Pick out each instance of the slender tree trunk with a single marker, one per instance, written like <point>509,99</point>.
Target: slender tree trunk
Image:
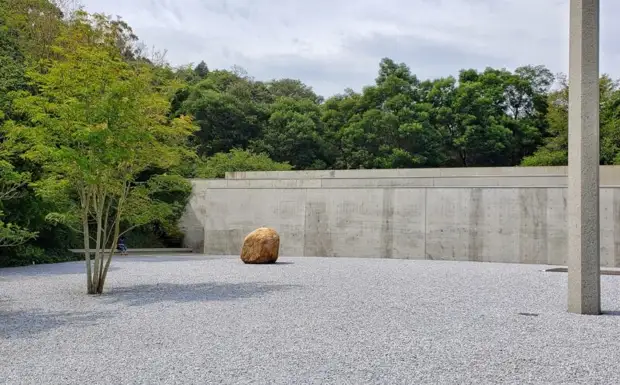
<point>89,276</point>
<point>101,234</point>
<point>115,234</point>
<point>90,288</point>
<point>106,231</point>
<point>98,251</point>
<point>107,264</point>
<point>96,270</point>
<point>463,156</point>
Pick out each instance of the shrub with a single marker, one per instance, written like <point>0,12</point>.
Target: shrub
<point>217,165</point>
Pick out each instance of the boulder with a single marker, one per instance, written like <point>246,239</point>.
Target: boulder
<point>261,246</point>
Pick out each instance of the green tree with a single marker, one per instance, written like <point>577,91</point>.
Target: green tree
<point>390,126</point>
<point>480,137</point>
<point>201,70</point>
<point>294,133</point>
<point>554,152</point>
<point>12,61</point>
<point>292,88</point>
<point>336,113</point>
<point>230,111</point>
<point>11,183</point>
<point>20,44</point>
<point>526,93</point>
<point>490,118</point>
<point>95,132</point>
<point>218,165</point>
<point>38,23</point>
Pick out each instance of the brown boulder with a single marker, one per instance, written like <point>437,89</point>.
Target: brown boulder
<point>261,246</point>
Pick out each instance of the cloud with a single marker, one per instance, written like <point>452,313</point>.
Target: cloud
<point>335,44</point>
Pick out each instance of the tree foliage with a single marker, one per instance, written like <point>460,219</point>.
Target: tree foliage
<point>219,164</point>
<point>94,133</point>
<point>11,183</point>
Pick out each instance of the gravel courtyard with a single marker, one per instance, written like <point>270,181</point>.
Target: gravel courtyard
<point>192,320</point>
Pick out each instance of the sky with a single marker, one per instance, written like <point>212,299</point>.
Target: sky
<point>332,45</point>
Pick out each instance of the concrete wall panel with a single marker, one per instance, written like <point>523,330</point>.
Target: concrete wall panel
<point>448,231</point>
<point>557,227</point>
<point>407,228</point>
<point>344,222</point>
<point>512,215</point>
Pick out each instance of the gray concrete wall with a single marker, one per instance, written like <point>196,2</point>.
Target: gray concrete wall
<point>480,214</point>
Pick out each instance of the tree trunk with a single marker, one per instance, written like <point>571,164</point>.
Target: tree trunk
<point>90,288</point>
<point>116,233</point>
<point>105,271</point>
<point>113,247</point>
<point>96,270</point>
<point>98,249</point>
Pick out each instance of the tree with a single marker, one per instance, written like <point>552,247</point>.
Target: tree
<point>480,137</point>
<point>294,133</point>
<point>230,111</point>
<point>12,78</point>
<point>201,70</point>
<point>526,95</point>
<point>11,182</point>
<point>38,22</point>
<point>490,118</point>
<point>336,112</point>
<point>219,164</point>
<point>390,126</point>
<point>292,88</point>
<point>554,152</point>
<point>21,45</point>
<point>95,132</point>
<point>12,63</point>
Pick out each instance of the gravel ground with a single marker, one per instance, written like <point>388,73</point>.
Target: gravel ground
<point>189,320</point>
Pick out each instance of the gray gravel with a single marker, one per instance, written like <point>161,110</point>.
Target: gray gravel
<point>181,320</point>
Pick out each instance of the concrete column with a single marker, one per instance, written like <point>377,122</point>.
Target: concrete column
<point>583,160</point>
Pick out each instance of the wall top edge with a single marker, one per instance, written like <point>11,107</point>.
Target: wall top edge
<point>403,187</point>
<point>608,171</point>
<point>382,177</point>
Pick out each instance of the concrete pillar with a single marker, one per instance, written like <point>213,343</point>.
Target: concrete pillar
<point>583,160</point>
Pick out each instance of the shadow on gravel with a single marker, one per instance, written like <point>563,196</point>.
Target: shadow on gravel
<point>611,312</point>
<point>24,324</point>
<point>141,295</point>
<point>185,258</point>
<point>64,268</point>
<point>157,258</point>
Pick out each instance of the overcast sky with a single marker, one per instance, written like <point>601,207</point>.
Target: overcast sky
<point>335,44</point>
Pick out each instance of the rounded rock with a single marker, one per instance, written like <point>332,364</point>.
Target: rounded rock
<point>261,246</point>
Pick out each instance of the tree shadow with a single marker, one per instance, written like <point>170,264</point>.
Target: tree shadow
<point>28,323</point>
<point>162,258</point>
<point>141,295</point>
<point>16,324</point>
<point>63,268</point>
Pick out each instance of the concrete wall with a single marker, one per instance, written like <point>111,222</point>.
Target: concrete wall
<point>475,214</point>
